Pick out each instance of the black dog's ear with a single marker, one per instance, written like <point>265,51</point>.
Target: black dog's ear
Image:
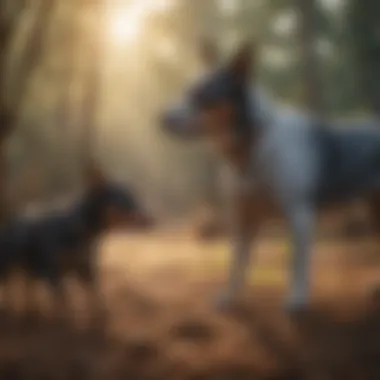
<point>209,52</point>
<point>243,63</point>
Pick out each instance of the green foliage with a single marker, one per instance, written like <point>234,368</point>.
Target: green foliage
<point>363,35</point>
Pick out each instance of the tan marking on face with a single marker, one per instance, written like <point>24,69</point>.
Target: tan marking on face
<point>220,129</point>
<point>114,218</point>
<point>223,114</point>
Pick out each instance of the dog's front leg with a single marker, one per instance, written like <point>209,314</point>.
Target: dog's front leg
<point>53,275</point>
<point>301,217</point>
<point>32,306</point>
<point>241,230</point>
<point>88,274</point>
<point>60,305</point>
<point>96,301</point>
<point>237,273</point>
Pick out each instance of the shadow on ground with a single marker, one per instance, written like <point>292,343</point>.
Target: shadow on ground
<point>144,339</point>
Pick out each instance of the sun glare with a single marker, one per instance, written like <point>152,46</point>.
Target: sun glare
<point>126,24</point>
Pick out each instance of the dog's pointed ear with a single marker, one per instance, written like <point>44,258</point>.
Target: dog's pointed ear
<point>243,63</point>
<point>209,52</point>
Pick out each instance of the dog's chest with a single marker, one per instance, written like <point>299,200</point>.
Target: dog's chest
<point>280,164</point>
<point>72,243</point>
<point>248,192</point>
<point>74,259</point>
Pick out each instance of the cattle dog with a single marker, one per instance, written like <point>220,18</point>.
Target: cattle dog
<point>277,159</point>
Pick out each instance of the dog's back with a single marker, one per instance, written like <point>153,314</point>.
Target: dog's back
<point>35,240</point>
<point>350,159</point>
<point>50,239</point>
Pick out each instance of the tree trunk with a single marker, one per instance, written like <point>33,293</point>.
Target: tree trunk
<point>309,57</point>
<point>65,111</point>
<point>363,24</point>
<point>7,27</point>
<point>11,106</point>
<point>92,86</point>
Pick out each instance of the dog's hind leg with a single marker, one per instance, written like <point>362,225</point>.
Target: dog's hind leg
<point>374,208</point>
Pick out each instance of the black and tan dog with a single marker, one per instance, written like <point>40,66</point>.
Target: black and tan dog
<point>50,246</point>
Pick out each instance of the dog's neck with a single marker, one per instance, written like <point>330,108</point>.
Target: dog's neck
<point>91,214</point>
<point>238,154</point>
<point>262,110</point>
<point>236,143</point>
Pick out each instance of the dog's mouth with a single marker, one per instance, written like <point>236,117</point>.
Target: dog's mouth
<point>142,222</point>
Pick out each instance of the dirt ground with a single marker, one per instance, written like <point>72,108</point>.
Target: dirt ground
<point>159,291</point>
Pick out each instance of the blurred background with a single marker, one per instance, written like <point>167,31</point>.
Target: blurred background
<point>87,79</point>
<point>84,81</point>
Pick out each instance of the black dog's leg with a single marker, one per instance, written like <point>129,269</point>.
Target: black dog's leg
<point>53,275</point>
<point>61,310</point>
<point>50,270</point>
<point>6,307</point>
<point>32,306</point>
<point>87,273</point>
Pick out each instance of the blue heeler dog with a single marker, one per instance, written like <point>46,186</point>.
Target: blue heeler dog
<point>278,159</point>
<point>49,246</point>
